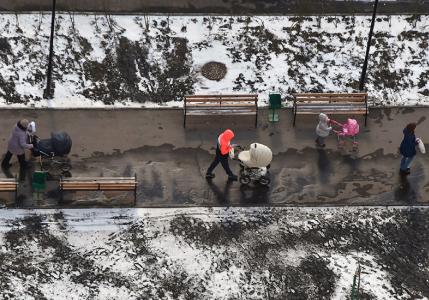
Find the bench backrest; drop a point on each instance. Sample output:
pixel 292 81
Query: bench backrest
pixel 220 100
pixel 331 97
pixel 8 185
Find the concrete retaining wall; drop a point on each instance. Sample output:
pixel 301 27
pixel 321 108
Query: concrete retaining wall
pixel 220 6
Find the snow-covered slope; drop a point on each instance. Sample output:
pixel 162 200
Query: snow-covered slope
pixel 151 60
pixel 216 253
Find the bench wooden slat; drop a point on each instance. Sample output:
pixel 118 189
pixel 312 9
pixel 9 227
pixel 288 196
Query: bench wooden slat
pixel 196 99
pixel 220 103
pixel 96 185
pixel 96 178
pixel 221 108
pixel 8 185
pixel 330 94
pixel 110 188
pixel 212 113
pixel 222 96
pixel 313 108
pixel 334 112
pixel 86 184
pixel 82 188
pixel 351 100
pixel 102 184
pixel 349 104
pixel 118 188
pixel 341 112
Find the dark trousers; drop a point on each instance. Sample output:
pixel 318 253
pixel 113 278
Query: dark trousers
pixel 223 159
pixel 8 156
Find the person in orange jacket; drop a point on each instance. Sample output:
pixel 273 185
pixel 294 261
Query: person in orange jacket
pixel 222 151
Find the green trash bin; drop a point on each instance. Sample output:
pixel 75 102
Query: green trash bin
pixel 38 183
pixel 275 102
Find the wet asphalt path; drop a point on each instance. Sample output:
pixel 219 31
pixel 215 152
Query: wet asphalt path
pixel 170 161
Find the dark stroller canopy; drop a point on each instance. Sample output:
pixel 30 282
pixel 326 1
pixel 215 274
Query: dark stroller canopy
pixel 60 144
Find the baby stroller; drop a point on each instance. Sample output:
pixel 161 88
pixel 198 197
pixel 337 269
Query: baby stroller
pixel 254 164
pixel 52 153
pixel 348 130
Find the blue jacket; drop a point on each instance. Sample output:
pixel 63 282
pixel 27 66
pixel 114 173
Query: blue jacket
pixel 408 145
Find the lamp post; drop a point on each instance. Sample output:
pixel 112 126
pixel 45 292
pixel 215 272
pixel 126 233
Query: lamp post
pixel 49 91
pixel 368 46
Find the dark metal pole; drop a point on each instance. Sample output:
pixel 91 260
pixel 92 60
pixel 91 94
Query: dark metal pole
pixel 49 91
pixel 368 46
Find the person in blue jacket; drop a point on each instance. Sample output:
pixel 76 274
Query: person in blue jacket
pixel 408 148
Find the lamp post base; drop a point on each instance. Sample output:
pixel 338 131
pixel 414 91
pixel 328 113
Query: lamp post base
pixel 48 94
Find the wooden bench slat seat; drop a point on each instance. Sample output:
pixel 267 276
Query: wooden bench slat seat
pixel 333 100
pixel 217 112
pixel 97 179
pixel 201 105
pixel 330 94
pixel 222 96
pixel 100 184
pixel 9 185
pixel 330 103
pixel 8 189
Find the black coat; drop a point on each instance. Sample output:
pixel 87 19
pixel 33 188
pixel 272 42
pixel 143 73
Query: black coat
pixel 408 144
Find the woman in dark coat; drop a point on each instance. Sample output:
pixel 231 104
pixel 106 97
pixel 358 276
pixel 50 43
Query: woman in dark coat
pixel 408 148
pixel 17 144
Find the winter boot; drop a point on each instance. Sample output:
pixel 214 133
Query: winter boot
pixel 210 175
pixel 233 177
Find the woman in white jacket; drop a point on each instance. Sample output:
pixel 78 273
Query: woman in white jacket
pixel 322 130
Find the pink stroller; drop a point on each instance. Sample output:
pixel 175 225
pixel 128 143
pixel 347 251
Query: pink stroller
pixel 348 130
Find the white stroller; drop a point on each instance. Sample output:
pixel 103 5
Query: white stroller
pixel 254 164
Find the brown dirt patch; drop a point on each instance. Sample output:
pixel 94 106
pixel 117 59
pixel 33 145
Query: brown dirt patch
pixel 214 70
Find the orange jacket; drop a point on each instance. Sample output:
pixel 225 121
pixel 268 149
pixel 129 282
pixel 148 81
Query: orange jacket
pixel 225 140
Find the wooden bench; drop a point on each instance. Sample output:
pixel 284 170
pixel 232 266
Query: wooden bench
pixel 99 184
pixel 330 103
pixel 208 105
pixel 9 185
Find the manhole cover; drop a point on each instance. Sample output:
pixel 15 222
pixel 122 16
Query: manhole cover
pixel 214 70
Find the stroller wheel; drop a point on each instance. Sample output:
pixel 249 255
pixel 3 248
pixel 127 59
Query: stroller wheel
pixel 244 179
pixel 264 180
pixel 66 167
pixel 67 174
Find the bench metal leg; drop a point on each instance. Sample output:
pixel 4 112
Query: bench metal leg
pixel 184 121
pixel 366 117
pixel 256 120
pixel 16 188
pixel 135 190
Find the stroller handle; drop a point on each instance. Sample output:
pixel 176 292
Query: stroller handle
pixel 335 123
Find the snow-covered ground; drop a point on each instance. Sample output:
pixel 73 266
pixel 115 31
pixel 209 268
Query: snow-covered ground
pixel 155 60
pixel 214 253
